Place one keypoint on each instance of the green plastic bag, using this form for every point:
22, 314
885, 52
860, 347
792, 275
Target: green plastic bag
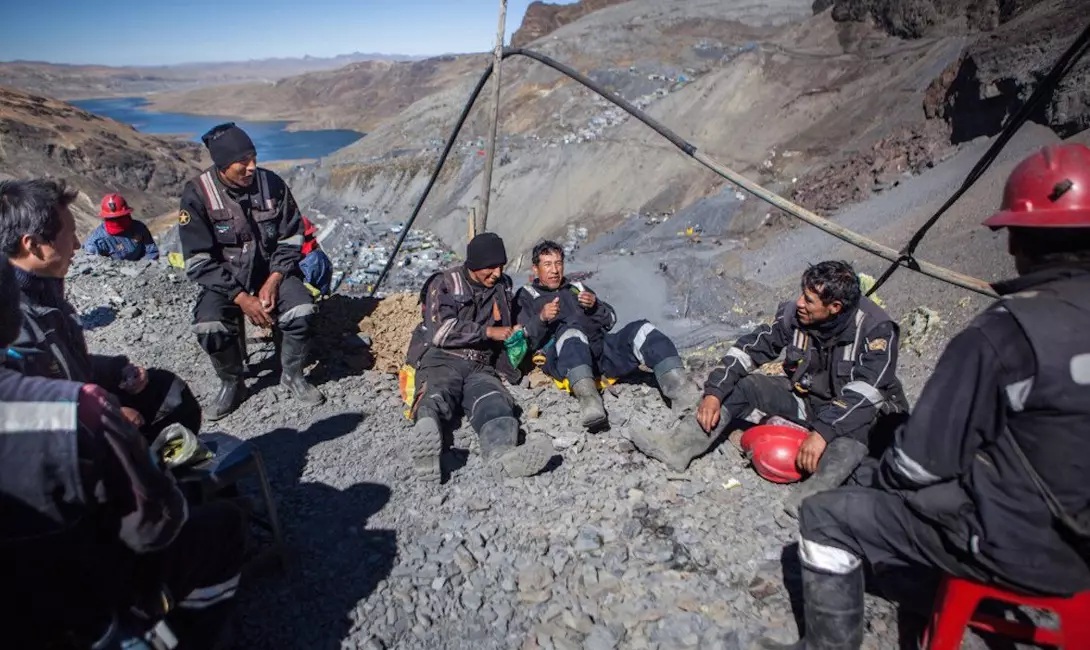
517, 346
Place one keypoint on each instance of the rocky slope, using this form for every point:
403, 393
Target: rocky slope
45, 137
543, 18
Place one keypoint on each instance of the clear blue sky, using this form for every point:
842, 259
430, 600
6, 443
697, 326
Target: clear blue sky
133, 32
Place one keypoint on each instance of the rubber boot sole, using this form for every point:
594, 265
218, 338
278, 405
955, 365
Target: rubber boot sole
528, 459
676, 449
426, 448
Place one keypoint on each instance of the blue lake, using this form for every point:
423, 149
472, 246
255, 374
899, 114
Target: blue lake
270, 138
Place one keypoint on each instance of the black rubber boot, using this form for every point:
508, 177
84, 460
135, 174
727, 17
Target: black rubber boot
592, 411
228, 367
499, 439
678, 447
426, 448
293, 356
833, 611
840, 459
675, 385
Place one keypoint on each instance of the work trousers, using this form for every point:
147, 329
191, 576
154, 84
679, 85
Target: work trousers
165, 401
446, 381
621, 353
216, 319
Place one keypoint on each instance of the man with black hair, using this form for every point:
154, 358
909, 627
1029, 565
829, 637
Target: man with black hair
839, 379
572, 325
97, 544
459, 357
38, 233
987, 480
242, 239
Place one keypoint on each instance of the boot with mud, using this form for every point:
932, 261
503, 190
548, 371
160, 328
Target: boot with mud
592, 411
426, 448
676, 386
833, 612
840, 459
293, 354
499, 439
232, 391
678, 447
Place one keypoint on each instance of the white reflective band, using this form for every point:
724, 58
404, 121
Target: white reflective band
211, 191
579, 286
532, 291
207, 596
910, 469
458, 286
299, 311
294, 240
263, 189
878, 379
473, 408
444, 331
849, 354
755, 416
33, 417
746, 360
866, 390
196, 260
827, 558
570, 334
210, 328
1080, 369
1018, 393
641, 338
801, 413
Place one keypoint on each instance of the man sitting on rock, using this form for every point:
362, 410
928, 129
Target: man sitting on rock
38, 232
242, 239
987, 480
120, 236
572, 325
458, 353
316, 267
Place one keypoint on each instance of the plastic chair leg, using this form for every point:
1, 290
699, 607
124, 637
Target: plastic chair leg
951, 616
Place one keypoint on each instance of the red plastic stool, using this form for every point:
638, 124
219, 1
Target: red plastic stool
955, 608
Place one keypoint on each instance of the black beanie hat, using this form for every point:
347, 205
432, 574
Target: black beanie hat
485, 251
228, 144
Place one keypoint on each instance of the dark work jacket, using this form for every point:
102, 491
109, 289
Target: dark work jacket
51, 340
456, 312
79, 498
233, 239
849, 376
593, 322
1022, 366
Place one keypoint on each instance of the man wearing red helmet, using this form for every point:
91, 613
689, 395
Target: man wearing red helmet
316, 267
120, 236
987, 480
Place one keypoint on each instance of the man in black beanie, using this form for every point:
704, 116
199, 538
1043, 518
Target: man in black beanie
242, 238
459, 356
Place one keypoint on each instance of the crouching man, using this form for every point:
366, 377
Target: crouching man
38, 232
458, 353
572, 325
988, 479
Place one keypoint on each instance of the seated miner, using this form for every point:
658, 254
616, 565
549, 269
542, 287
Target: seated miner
839, 377
316, 267
38, 233
119, 236
987, 480
458, 355
571, 324
99, 547
242, 238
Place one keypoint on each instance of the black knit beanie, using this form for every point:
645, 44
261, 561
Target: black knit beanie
228, 144
485, 251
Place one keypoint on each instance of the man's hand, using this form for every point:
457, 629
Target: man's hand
134, 379
269, 292
587, 299
251, 306
551, 310
499, 333
133, 416
810, 453
707, 414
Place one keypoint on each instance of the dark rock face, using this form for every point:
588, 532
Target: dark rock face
543, 18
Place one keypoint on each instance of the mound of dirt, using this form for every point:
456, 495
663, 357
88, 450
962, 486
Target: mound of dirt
390, 326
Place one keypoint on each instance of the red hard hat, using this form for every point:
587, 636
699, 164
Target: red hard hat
113, 206
1050, 189
308, 227
772, 450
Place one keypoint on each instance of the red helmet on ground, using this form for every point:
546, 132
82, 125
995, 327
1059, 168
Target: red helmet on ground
308, 228
114, 206
1049, 189
772, 450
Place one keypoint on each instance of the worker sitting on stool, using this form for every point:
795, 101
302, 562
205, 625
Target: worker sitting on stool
316, 267
120, 236
982, 481
573, 325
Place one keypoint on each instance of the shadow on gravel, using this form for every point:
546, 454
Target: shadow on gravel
334, 559
337, 347
97, 317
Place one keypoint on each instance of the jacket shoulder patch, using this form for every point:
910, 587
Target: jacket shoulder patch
183, 217
878, 345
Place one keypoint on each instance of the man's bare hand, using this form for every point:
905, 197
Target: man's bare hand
551, 310
269, 292
499, 333
588, 299
256, 314
810, 453
134, 379
707, 414
133, 416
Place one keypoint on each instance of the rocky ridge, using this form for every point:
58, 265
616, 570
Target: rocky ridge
543, 18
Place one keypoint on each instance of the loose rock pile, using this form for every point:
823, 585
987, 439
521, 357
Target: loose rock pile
606, 550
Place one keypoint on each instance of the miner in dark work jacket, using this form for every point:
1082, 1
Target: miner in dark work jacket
459, 356
242, 238
990, 472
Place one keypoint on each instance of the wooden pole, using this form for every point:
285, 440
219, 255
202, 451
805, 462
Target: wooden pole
490, 154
